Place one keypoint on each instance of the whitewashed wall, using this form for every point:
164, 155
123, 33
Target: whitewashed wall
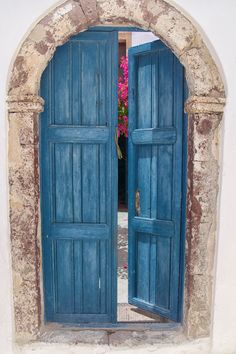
216, 21
142, 37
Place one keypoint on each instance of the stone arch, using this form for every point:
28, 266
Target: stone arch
204, 106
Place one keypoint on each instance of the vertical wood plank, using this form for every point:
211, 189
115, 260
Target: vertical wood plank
102, 183
103, 75
144, 121
165, 88
78, 275
62, 85
89, 82
155, 89
91, 289
63, 182
64, 277
90, 182
153, 270
155, 121
164, 180
144, 180
77, 183
143, 249
163, 272
76, 82
144, 92
103, 276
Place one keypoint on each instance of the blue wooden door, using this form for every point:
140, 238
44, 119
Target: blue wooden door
156, 129
79, 179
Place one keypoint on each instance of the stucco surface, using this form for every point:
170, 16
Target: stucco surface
201, 346
204, 107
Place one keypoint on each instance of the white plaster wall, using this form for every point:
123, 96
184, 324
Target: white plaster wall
216, 20
142, 37
20, 15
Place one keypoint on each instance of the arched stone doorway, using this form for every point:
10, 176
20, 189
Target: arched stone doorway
204, 107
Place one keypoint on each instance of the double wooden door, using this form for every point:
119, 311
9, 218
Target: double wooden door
79, 179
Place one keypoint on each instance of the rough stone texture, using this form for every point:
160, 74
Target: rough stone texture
202, 74
176, 31
89, 8
157, 15
205, 107
24, 184
75, 337
199, 346
202, 104
201, 211
52, 31
136, 338
25, 104
127, 338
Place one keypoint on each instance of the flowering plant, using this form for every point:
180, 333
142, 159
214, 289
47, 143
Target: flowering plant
123, 98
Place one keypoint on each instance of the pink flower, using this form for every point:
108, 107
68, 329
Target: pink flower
123, 98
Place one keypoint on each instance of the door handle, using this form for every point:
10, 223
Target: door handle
137, 202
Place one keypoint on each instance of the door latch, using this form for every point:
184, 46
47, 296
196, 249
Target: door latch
137, 203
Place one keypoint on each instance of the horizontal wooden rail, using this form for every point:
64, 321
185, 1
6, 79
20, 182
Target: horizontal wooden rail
153, 226
154, 136
79, 134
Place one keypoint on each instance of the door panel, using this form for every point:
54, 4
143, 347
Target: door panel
156, 113
79, 179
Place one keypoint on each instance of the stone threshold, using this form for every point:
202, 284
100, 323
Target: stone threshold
128, 334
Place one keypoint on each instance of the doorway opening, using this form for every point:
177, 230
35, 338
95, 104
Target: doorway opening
98, 161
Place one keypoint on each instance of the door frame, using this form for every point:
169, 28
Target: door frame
114, 166
205, 107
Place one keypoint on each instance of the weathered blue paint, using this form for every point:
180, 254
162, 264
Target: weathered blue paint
116, 28
156, 137
79, 179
